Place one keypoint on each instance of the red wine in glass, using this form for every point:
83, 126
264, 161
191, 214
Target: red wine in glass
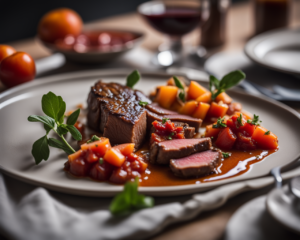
175, 18
175, 21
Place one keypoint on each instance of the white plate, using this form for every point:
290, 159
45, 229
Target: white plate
18, 135
284, 207
278, 50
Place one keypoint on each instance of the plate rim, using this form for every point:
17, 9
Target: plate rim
155, 191
253, 42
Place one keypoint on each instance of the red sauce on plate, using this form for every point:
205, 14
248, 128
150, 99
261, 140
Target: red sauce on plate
105, 41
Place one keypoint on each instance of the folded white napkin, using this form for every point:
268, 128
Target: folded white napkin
29, 212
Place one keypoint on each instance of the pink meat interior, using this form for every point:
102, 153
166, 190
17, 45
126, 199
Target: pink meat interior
180, 143
197, 159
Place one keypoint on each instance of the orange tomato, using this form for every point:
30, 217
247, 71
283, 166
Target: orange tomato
16, 69
6, 51
59, 23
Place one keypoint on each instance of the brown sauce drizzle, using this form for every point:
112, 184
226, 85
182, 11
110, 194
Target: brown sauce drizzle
238, 163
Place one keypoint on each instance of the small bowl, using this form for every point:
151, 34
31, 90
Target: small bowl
86, 49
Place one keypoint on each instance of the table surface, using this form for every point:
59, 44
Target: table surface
210, 225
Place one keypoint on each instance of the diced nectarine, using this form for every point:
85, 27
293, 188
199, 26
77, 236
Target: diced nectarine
114, 157
75, 155
217, 110
224, 98
166, 96
265, 139
206, 98
188, 108
201, 110
212, 132
196, 90
100, 147
126, 148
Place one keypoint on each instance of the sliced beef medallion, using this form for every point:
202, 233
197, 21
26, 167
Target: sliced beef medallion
189, 132
114, 110
163, 152
155, 108
196, 165
192, 122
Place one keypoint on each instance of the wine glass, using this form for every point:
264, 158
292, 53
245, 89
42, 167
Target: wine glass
174, 19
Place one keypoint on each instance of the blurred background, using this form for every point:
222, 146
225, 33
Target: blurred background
25, 15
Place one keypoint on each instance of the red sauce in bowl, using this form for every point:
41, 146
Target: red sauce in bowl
103, 41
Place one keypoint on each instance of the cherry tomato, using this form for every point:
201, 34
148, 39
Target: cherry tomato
6, 51
59, 23
16, 69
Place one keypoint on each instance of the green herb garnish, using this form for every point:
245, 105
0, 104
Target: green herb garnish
220, 123
170, 136
130, 200
267, 132
164, 120
181, 87
54, 107
239, 119
143, 104
254, 121
226, 154
101, 161
93, 139
231, 79
133, 78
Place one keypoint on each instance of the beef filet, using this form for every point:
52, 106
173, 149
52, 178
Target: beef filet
192, 122
188, 131
163, 152
155, 108
196, 165
114, 110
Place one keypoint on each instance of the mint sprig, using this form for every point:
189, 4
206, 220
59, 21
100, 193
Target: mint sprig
181, 87
54, 107
217, 86
133, 78
130, 200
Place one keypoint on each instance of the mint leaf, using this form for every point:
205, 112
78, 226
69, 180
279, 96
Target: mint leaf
62, 130
50, 122
231, 79
75, 133
181, 87
47, 128
130, 200
59, 144
40, 150
50, 105
61, 110
132, 79
178, 83
213, 81
73, 117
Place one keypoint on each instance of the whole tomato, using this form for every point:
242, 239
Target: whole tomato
16, 69
59, 23
6, 51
